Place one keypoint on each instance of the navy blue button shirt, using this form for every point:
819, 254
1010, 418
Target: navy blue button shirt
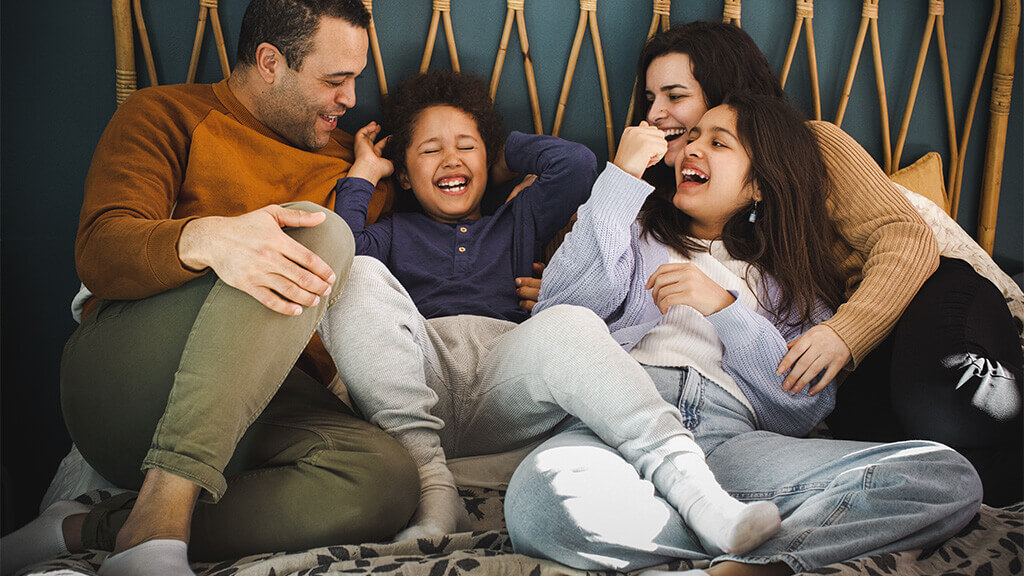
470, 267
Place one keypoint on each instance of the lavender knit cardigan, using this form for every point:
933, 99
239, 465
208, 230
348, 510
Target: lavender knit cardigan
604, 264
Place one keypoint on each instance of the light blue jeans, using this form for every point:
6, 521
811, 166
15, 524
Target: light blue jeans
577, 501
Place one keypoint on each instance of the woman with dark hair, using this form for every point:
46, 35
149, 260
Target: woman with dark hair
706, 300
927, 353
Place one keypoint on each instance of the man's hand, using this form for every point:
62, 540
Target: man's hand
252, 253
819, 349
370, 164
528, 289
685, 283
640, 148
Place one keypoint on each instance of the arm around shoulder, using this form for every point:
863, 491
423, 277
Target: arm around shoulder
888, 245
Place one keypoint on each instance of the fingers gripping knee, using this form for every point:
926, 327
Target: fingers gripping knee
331, 239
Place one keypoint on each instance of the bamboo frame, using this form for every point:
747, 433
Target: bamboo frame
1005, 20
869, 19
124, 51
731, 12
804, 16
378, 61
208, 8
986, 51
936, 8
999, 113
588, 13
442, 11
147, 51
516, 15
660, 19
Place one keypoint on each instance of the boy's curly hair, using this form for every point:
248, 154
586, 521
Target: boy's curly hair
440, 88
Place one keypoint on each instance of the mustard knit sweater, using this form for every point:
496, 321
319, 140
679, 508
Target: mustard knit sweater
889, 251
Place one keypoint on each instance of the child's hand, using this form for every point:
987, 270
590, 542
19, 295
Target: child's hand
685, 283
641, 147
370, 163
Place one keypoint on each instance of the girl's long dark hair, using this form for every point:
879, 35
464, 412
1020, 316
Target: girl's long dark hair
793, 236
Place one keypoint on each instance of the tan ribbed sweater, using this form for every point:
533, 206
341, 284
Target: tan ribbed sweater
889, 250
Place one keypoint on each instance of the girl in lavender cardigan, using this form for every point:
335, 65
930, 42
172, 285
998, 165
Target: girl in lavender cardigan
704, 286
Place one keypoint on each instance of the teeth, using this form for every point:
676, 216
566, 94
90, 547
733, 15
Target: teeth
452, 184
673, 133
693, 175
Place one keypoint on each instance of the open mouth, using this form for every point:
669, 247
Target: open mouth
452, 184
693, 175
332, 120
674, 133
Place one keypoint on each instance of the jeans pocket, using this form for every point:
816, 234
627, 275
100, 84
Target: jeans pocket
691, 400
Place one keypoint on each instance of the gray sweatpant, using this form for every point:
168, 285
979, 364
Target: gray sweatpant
474, 385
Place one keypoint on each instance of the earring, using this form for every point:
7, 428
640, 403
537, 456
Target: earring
753, 213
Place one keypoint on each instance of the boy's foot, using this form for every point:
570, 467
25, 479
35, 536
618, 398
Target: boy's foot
164, 557
440, 507
40, 539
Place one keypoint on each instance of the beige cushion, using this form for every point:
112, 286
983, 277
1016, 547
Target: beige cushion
926, 178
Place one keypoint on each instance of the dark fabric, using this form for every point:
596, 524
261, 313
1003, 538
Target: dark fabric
470, 267
950, 372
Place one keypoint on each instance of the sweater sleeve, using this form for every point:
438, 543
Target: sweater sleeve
595, 264
127, 242
565, 174
898, 249
753, 348
351, 202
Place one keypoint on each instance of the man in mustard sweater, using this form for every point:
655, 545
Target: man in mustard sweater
202, 291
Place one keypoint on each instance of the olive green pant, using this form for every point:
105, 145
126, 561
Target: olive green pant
190, 381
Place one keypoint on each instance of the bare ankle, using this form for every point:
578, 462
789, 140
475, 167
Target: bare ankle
740, 569
72, 530
163, 511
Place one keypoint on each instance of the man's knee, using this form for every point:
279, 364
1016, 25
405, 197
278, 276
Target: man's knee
331, 239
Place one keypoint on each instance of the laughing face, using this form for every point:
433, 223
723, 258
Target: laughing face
713, 174
446, 164
303, 105
677, 101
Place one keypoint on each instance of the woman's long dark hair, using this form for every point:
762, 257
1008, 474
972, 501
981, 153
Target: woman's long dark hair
724, 59
792, 237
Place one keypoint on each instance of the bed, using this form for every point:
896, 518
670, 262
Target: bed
993, 541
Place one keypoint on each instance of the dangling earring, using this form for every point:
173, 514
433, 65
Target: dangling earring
753, 213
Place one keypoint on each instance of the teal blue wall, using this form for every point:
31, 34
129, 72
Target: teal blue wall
57, 95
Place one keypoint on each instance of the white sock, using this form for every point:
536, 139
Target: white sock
163, 557
440, 505
722, 523
40, 539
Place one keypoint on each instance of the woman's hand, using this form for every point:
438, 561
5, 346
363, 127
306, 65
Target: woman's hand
817, 350
641, 147
528, 289
370, 162
685, 283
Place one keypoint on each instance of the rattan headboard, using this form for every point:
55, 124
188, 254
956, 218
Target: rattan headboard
1002, 33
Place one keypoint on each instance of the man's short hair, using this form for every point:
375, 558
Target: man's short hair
289, 25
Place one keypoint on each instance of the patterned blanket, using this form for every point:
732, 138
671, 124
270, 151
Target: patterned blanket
990, 545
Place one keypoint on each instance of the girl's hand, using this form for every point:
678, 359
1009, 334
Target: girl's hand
641, 147
819, 349
370, 163
685, 283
